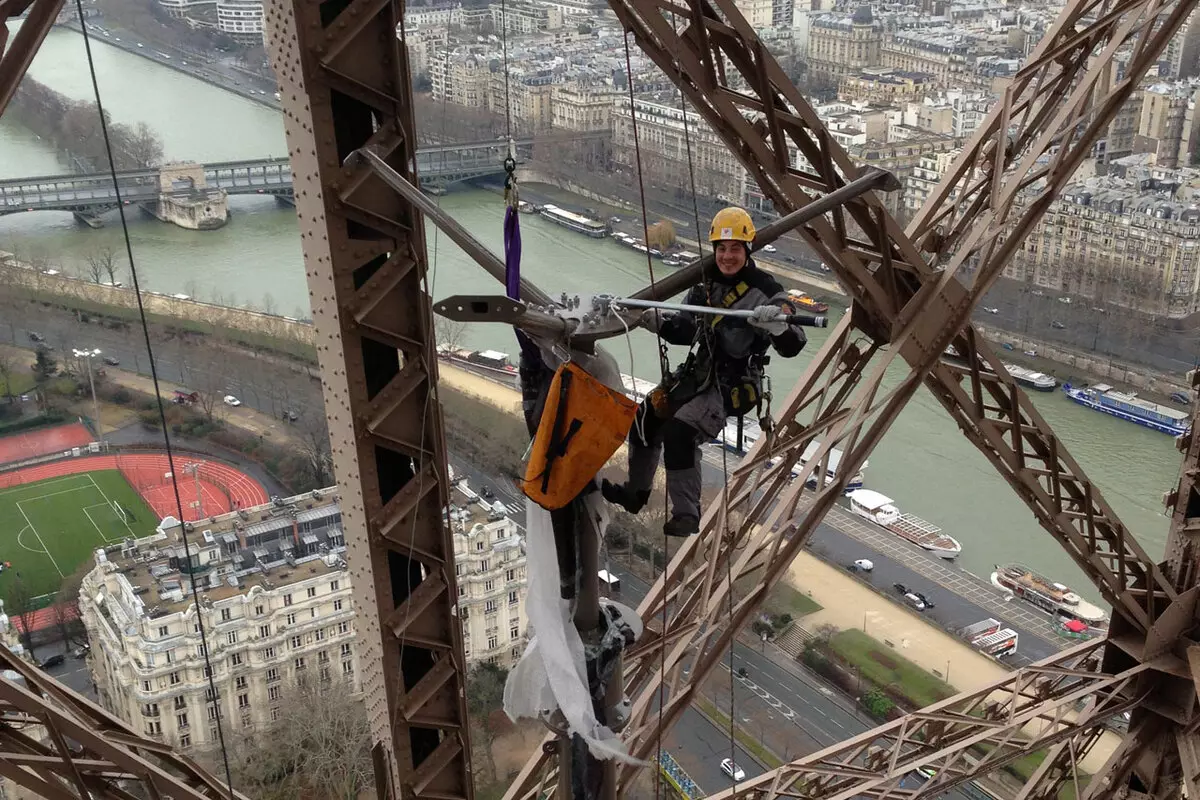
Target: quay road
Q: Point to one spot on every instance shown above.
(801, 706)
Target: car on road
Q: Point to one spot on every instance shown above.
(230, 400)
(991, 309)
(910, 597)
(769, 248)
(486, 492)
(288, 415)
(81, 651)
(1058, 326)
(34, 336)
(732, 770)
(112, 362)
(53, 661)
(861, 565)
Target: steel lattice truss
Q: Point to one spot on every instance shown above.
(60, 745)
(1003, 182)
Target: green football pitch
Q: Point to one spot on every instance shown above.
(49, 528)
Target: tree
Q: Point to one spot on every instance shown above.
(661, 235)
(319, 747)
(314, 443)
(449, 333)
(44, 366)
(269, 306)
(21, 607)
(66, 606)
(143, 146)
(8, 365)
(485, 698)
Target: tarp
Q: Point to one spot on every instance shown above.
(552, 674)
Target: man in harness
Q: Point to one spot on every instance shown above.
(721, 377)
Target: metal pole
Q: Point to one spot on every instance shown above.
(817, 321)
(95, 404)
(457, 233)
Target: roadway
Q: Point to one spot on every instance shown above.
(1106, 332)
(261, 382)
(800, 706)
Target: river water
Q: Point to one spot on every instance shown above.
(924, 462)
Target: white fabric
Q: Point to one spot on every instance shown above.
(552, 673)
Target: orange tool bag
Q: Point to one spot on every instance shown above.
(583, 423)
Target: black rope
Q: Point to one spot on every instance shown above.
(162, 411)
(662, 366)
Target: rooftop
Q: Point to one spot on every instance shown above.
(285, 541)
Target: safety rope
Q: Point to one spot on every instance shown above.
(709, 333)
(648, 405)
(162, 411)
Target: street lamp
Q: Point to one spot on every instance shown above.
(88, 355)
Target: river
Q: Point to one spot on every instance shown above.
(924, 462)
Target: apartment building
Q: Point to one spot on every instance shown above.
(923, 178)
(461, 78)
(1168, 126)
(883, 85)
(523, 17)
(840, 44)
(527, 97)
(275, 603)
(436, 16)
(489, 559)
(759, 13)
(1130, 239)
(664, 134)
(942, 55)
(582, 107)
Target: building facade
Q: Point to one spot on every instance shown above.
(844, 45)
(489, 558)
(275, 604)
(664, 135)
(1130, 240)
(579, 107)
(241, 19)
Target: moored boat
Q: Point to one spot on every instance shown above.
(1047, 595)
(1129, 407)
(832, 467)
(576, 222)
(1038, 381)
(882, 511)
(806, 302)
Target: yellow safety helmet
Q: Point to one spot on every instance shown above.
(732, 224)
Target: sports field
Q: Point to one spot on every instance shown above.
(49, 528)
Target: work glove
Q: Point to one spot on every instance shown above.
(769, 319)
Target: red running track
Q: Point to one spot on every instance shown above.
(21, 446)
(222, 488)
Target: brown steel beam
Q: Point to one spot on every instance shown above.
(346, 86)
(16, 57)
(56, 743)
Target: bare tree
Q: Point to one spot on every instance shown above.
(314, 443)
(20, 606)
(8, 365)
(319, 747)
(448, 332)
(66, 606)
(485, 698)
(143, 146)
(102, 263)
(269, 306)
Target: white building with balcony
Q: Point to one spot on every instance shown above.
(274, 599)
(489, 555)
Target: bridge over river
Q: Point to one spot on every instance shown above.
(194, 195)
